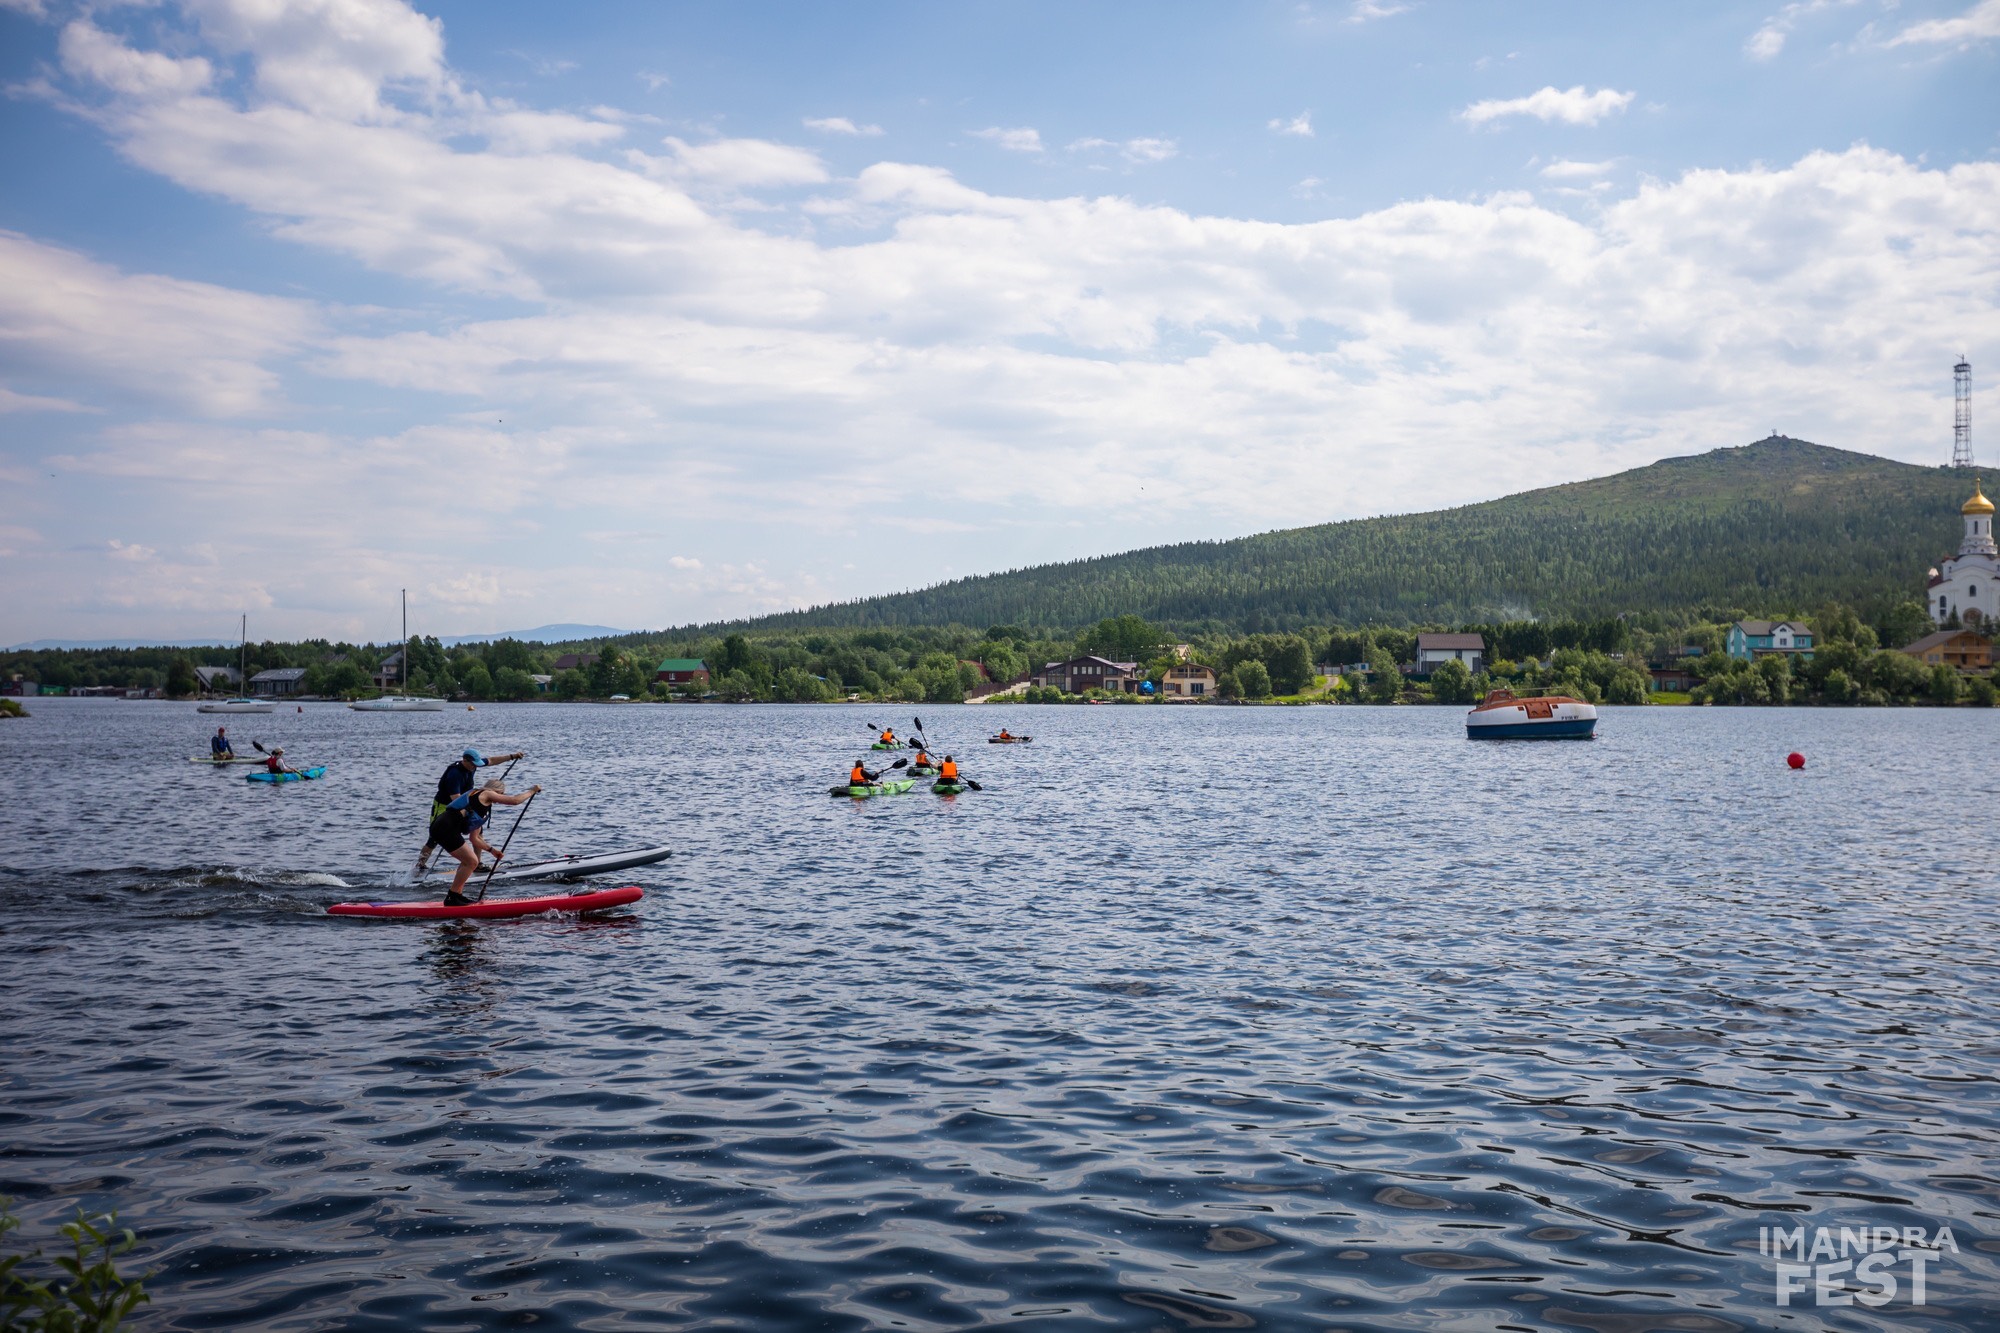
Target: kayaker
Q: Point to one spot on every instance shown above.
(1006, 735)
(276, 763)
(219, 746)
(948, 770)
(859, 776)
(460, 830)
(923, 759)
(889, 736)
(457, 781)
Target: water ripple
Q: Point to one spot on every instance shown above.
(1392, 1032)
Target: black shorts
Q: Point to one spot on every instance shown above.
(444, 833)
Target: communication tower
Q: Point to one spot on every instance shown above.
(1961, 414)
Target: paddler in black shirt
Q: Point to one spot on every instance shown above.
(457, 781)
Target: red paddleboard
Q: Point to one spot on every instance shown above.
(498, 907)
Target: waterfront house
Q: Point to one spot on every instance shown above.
(1677, 677)
(574, 662)
(218, 679)
(1188, 680)
(541, 683)
(19, 687)
(390, 673)
(1090, 673)
(1434, 650)
(1767, 638)
(278, 681)
(1958, 648)
(682, 672)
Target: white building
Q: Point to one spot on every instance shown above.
(1434, 650)
(1968, 584)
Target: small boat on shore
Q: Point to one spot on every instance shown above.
(1504, 716)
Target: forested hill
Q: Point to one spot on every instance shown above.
(1777, 527)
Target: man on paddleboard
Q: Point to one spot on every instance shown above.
(460, 830)
(456, 782)
(218, 745)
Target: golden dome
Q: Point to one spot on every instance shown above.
(1978, 504)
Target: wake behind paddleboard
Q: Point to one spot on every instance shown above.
(503, 907)
(235, 759)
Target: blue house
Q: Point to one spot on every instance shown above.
(1766, 638)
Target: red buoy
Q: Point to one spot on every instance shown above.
(1795, 759)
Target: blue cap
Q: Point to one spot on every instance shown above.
(475, 756)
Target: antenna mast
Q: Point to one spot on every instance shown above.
(1961, 414)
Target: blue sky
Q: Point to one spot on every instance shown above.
(639, 314)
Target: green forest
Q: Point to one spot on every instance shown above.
(1774, 528)
(1575, 588)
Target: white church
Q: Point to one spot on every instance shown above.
(1968, 584)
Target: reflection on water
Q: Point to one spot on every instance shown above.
(1211, 1018)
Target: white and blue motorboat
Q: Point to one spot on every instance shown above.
(1504, 716)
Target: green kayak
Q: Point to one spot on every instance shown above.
(949, 788)
(896, 788)
(886, 745)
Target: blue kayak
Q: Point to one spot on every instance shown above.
(316, 771)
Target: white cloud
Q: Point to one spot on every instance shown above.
(746, 163)
(1022, 140)
(28, 402)
(73, 323)
(1137, 151)
(1567, 170)
(1014, 365)
(683, 562)
(1367, 11)
(842, 125)
(1300, 125)
(89, 52)
(1976, 24)
(1574, 106)
(1769, 40)
(331, 57)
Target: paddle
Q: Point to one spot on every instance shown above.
(259, 747)
(965, 781)
(501, 855)
(842, 789)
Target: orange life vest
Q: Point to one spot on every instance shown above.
(921, 759)
(889, 736)
(858, 778)
(949, 773)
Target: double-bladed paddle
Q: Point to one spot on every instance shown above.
(927, 745)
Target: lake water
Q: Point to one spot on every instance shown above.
(1195, 1018)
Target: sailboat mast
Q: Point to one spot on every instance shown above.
(243, 655)
(406, 640)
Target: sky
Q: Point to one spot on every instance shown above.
(643, 315)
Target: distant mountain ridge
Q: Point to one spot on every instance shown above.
(1779, 526)
(540, 634)
(40, 645)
